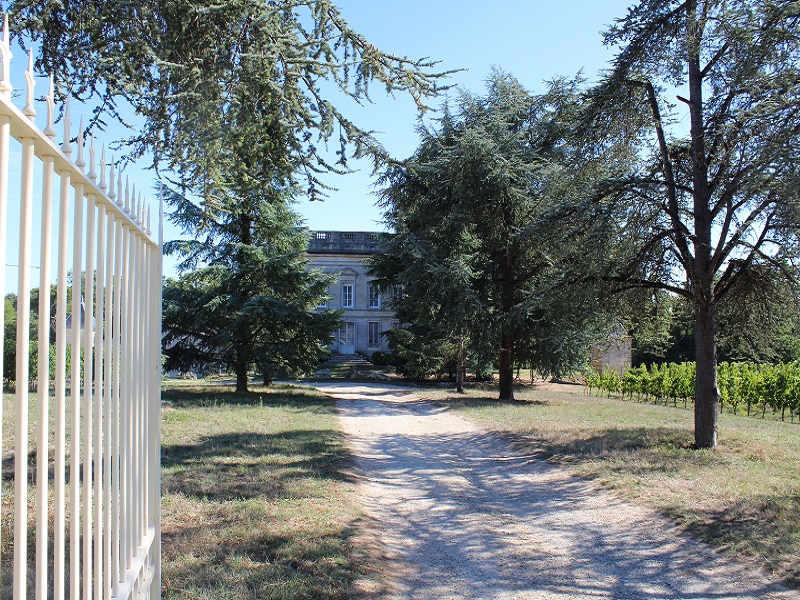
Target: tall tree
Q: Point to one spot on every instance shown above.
(710, 207)
(189, 68)
(488, 226)
(245, 298)
(230, 95)
(438, 303)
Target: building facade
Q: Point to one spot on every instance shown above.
(344, 254)
(615, 353)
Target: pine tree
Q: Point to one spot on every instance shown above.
(245, 297)
(491, 225)
(191, 68)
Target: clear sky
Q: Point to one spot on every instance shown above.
(534, 40)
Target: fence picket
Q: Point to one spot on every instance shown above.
(43, 386)
(23, 357)
(59, 476)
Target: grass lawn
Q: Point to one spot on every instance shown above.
(743, 497)
(254, 503)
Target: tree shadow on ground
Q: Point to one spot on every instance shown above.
(256, 564)
(253, 516)
(468, 402)
(473, 497)
(764, 528)
(284, 396)
(233, 466)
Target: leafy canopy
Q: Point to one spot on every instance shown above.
(245, 297)
(195, 71)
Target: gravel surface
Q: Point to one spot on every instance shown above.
(458, 513)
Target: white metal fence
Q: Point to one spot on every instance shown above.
(86, 512)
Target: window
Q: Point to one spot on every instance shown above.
(322, 235)
(348, 236)
(347, 295)
(374, 340)
(374, 296)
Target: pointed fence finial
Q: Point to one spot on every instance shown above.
(29, 110)
(112, 194)
(149, 231)
(120, 195)
(103, 186)
(51, 104)
(127, 195)
(66, 147)
(5, 55)
(92, 172)
(80, 163)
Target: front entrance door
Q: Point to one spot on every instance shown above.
(347, 338)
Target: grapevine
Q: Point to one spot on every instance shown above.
(751, 388)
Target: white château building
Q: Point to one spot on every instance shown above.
(344, 254)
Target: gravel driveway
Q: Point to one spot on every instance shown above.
(459, 514)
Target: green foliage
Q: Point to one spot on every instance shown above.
(774, 387)
(245, 297)
(418, 352)
(752, 386)
(760, 324)
(206, 76)
(10, 337)
(491, 224)
(382, 359)
(759, 320)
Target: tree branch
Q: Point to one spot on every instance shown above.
(714, 59)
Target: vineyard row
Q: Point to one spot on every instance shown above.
(744, 387)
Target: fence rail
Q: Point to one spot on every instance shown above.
(94, 492)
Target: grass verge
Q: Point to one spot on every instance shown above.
(254, 503)
(743, 497)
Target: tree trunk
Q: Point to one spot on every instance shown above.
(706, 405)
(506, 358)
(267, 374)
(701, 273)
(506, 367)
(241, 377)
(460, 368)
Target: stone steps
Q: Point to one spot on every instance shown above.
(347, 360)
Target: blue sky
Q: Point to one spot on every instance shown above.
(534, 40)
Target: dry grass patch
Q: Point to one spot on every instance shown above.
(743, 497)
(254, 504)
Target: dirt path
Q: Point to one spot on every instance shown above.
(459, 514)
